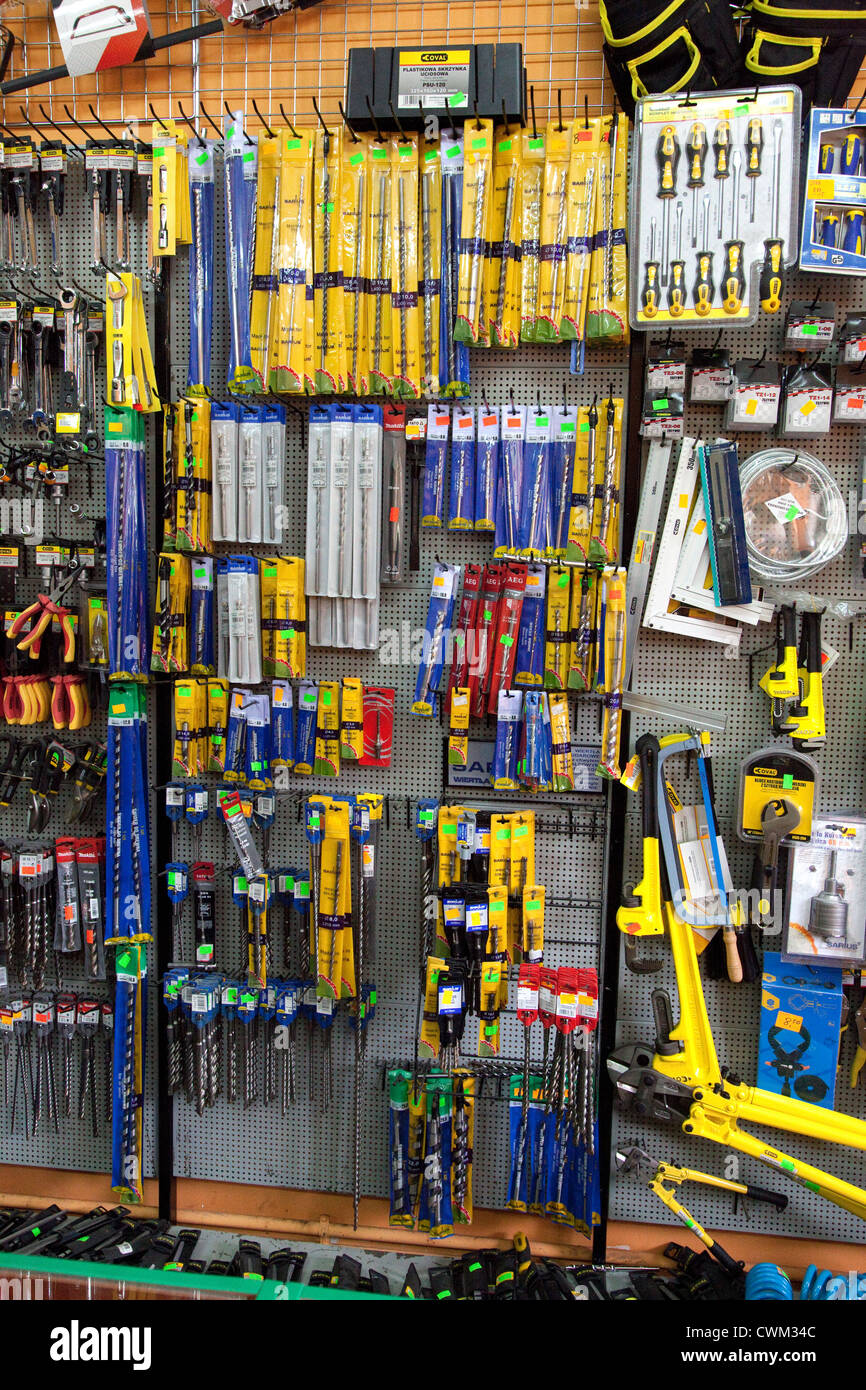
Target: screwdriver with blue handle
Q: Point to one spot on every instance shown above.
(827, 228)
(850, 154)
(773, 270)
(826, 158)
(852, 232)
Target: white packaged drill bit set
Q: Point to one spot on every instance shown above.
(239, 632)
(713, 206)
(248, 448)
(344, 500)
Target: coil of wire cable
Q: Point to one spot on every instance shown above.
(794, 512)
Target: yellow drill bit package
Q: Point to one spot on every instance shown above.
(327, 756)
(470, 325)
(557, 631)
(582, 650)
(264, 280)
(604, 538)
(352, 720)
(430, 264)
(428, 1038)
(532, 921)
(458, 736)
(499, 872)
(489, 1042)
(406, 378)
(354, 230)
(553, 232)
(293, 252)
(607, 319)
(497, 937)
(379, 274)
(185, 731)
(560, 734)
(584, 483)
(329, 360)
(502, 266)
(192, 432)
(611, 668)
(583, 191)
(531, 198)
(333, 953)
(522, 868)
(283, 616)
(217, 723)
(170, 647)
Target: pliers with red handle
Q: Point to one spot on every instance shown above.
(40, 614)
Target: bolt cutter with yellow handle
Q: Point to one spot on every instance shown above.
(679, 1078)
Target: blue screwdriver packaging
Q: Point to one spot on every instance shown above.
(833, 238)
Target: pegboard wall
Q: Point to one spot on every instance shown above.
(69, 518)
(696, 673)
(308, 1148)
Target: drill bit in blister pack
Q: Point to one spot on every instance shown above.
(263, 299)
(292, 271)
(611, 666)
(240, 183)
(201, 283)
(344, 525)
(126, 525)
(470, 325)
(238, 610)
(453, 355)
(192, 489)
(284, 624)
(170, 649)
(406, 377)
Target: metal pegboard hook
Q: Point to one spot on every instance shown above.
(379, 136)
(157, 119)
(100, 121)
(188, 121)
(398, 123)
(231, 115)
(65, 138)
(319, 117)
(210, 120)
(74, 122)
(288, 122)
(532, 110)
(355, 140)
(560, 127)
(25, 117)
(262, 119)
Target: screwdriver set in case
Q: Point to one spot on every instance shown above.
(713, 205)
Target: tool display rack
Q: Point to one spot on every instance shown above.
(310, 1149)
(73, 1145)
(695, 673)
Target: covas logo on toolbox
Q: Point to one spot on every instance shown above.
(77, 1343)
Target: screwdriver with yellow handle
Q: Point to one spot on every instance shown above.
(773, 270)
(696, 145)
(667, 158)
(704, 289)
(722, 152)
(733, 280)
(649, 298)
(677, 290)
(754, 150)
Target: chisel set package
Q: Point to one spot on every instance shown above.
(713, 206)
(344, 525)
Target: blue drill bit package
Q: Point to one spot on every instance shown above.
(461, 489)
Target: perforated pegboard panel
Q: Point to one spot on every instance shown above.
(308, 1149)
(72, 1145)
(696, 673)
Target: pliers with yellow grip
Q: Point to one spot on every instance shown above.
(860, 1054)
